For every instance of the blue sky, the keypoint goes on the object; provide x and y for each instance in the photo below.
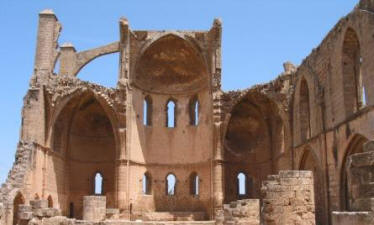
(258, 36)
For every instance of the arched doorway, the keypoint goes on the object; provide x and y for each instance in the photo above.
(18, 200)
(354, 146)
(311, 162)
(84, 135)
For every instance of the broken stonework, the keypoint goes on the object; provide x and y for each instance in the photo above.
(360, 189)
(240, 212)
(288, 198)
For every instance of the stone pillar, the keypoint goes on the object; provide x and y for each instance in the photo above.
(122, 185)
(67, 60)
(46, 47)
(94, 208)
(288, 198)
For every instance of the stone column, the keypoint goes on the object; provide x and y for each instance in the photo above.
(67, 60)
(288, 198)
(94, 208)
(46, 47)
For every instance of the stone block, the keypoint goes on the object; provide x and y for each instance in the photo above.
(24, 208)
(112, 213)
(51, 212)
(289, 173)
(38, 212)
(362, 159)
(94, 208)
(352, 218)
(59, 220)
(361, 204)
(368, 146)
(39, 204)
(25, 215)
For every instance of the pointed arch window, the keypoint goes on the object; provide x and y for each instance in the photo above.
(194, 184)
(98, 185)
(147, 111)
(171, 181)
(147, 184)
(171, 109)
(354, 91)
(194, 111)
(304, 111)
(242, 184)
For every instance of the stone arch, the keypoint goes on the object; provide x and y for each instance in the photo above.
(305, 102)
(172, 114)
(171, 184)
(194, 181)
(304, 111)
(351, 71)
(91, 144)
(147, 110)
(193, 110)
(85, 57)
(170, 64)
(147, 183)
(177, 34)
(310, 161)
(98, 175)
(355, 145)
(254, 139)
(63, 101)
(18, 200)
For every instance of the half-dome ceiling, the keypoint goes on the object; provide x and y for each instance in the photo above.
(170, 65)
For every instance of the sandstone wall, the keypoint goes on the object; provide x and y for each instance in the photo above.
(288, 198)
(360, 189)
(241, 212)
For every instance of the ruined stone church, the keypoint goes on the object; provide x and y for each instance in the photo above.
(168, 146)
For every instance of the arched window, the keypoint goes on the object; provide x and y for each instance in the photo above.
(352, 77)
(171, 181)
(194, 184)
(363, 100)
(98, 184)
(194, 111)
(50, 202)
(242, 184)
(361, 88)
(147, 111)
(171, 109)
(146, 184)
(304, 111)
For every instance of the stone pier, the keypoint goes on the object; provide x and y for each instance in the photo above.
(288, 198)
(94, 208)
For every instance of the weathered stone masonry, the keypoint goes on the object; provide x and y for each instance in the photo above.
(222, 148)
